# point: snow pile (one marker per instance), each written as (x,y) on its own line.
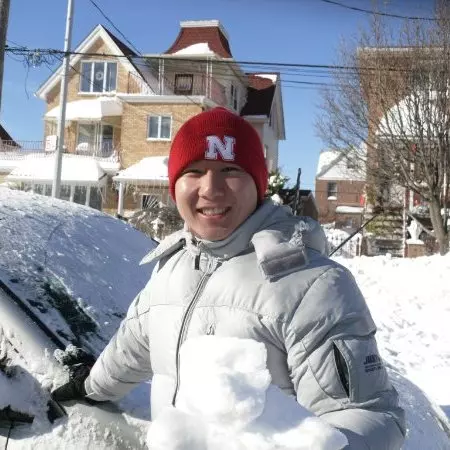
(226,401)
(409,301)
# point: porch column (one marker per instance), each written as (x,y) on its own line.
(120,203)
(72,192)
(88,195)
(161,76)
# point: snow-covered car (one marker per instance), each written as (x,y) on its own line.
(67,276)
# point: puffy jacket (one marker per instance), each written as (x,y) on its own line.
(271,281)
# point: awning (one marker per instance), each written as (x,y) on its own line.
(89,109)
(150,169)
(78,170)
(349,209)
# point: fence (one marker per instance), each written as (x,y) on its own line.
(350,249)
(17,150)
(204,85)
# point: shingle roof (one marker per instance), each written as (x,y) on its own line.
(213,36)
(123,47)
(4,136)
(260,95)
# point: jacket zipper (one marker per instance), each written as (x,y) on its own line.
(186,320)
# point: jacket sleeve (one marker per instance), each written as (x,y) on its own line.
(125,361)
(336,367)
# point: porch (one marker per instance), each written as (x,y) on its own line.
(82,179)
(172,77)
(12,153)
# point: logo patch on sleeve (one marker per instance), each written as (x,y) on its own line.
(372,362)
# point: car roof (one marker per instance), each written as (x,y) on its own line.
(77,269)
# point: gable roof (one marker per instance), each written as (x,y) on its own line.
(113,42)
(4,136)
(260,95)
(333,165)
(208,32)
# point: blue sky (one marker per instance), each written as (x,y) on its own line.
(287,31)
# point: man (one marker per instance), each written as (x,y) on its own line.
(244,267)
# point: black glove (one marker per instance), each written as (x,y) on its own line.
(74,388)
(79,364)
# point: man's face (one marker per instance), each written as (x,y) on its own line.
(214,198)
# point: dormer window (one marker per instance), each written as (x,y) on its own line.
(98,76)
(234,100)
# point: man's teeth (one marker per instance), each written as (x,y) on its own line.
(213,211)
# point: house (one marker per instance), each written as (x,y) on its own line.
(8,146)
(339,189)
(123,110)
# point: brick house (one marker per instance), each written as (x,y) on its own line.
(339,190)
(123,110)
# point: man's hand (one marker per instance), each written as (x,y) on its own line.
(74,388)
(79,364)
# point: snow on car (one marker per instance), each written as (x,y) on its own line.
(67,276)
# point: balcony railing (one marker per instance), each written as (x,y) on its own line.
(203,85)
(17,150)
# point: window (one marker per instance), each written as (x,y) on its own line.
(149,201)
(95,139)
(234,97)
(184,84)
(332,190)
(98,76)
(159,127)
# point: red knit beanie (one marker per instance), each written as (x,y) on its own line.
(218,134)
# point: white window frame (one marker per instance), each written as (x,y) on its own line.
(159,138)
(97,141)
(329,191)
(91,82)
(234,97)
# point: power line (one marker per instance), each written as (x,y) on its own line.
(262,65)
(114,26)
(376,13)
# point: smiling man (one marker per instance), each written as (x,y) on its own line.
(245,267)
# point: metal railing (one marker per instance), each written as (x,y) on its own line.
(17,150)
(198,85)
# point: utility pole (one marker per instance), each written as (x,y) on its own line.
(56,185)
(4,14)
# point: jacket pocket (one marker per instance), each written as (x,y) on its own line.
(360,368)
(341,369)
(329,372)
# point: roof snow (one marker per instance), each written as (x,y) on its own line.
(202,48)
(147,169)
(334,165)
(75,169)
(270,76)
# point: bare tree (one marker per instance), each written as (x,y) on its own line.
(389,107)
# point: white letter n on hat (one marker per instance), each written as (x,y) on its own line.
(225,148)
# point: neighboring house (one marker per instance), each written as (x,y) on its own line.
(124,109)
(339,190)
(7,145)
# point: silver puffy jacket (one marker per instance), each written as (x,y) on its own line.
(271,281)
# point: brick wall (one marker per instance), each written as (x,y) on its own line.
(73,87)
(348,194)
(134,142)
